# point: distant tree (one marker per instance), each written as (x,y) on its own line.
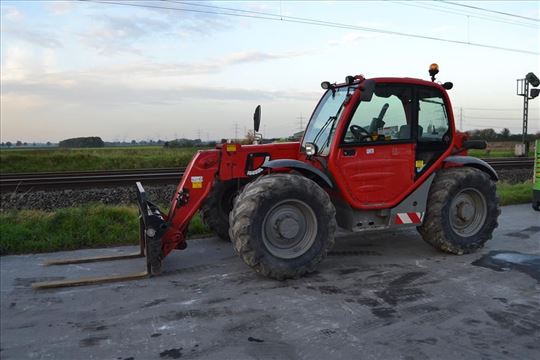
(249,138)
(48,143)
(184,143)
(133,142)
(9,144)
(488,134)
(179,143)
(483,134)
(18,143)
(505,134)
(82,142)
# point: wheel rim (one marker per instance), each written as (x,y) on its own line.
(468,212)
(289,229)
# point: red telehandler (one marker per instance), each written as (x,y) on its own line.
(377,153)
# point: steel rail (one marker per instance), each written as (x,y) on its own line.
(110,178)
(30,175)
(87,179)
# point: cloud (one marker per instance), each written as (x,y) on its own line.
(23,62)
(256,56)
(53,88)
(38,38)
(115,34)
(190,22)
(12,13)
(171,69)
(59,7)
(354,37)
(122,34)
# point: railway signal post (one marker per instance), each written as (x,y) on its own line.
(522,89)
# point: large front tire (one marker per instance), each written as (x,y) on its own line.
(282,225)
(462,210)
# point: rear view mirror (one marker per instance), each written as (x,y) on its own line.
(367,88)
(475,144)
(257,118)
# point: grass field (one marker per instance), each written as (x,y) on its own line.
(95,226)
(514,193)
(491,153)
(137,157)
(28,160)
(91,226)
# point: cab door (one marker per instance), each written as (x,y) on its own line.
(374,165)
(434,133)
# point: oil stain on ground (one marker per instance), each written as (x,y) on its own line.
(525,233)
(511,260)
(171,354)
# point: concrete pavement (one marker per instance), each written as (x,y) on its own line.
(377,296)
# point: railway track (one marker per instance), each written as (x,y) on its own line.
(89,179)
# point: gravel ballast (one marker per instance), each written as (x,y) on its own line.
(122,195)
(51,200)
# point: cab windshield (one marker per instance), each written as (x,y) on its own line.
(322,125)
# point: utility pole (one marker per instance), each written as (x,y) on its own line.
(301,118)
(460,119)
(236,131)
(522,89)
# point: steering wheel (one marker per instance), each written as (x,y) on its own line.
(359,132)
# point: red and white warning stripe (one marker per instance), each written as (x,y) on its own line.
(409,218)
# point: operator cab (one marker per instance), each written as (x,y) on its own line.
(370,132)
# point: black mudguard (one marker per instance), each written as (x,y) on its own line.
(473,162)
(302,167)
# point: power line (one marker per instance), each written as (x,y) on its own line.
(308,21)
(444,9)
(493,109)
(489,10)
(492,118)
(484,126)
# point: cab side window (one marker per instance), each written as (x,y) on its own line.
(432,116)
(386,117)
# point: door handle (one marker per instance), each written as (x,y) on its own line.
(349,152)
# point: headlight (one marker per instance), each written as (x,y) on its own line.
(311,149)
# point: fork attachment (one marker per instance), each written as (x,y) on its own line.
(152,225)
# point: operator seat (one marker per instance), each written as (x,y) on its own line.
(404,132)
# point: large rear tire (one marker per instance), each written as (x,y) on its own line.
(216,208)
(462,210)
(282,225)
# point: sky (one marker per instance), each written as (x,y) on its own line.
(132,70)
